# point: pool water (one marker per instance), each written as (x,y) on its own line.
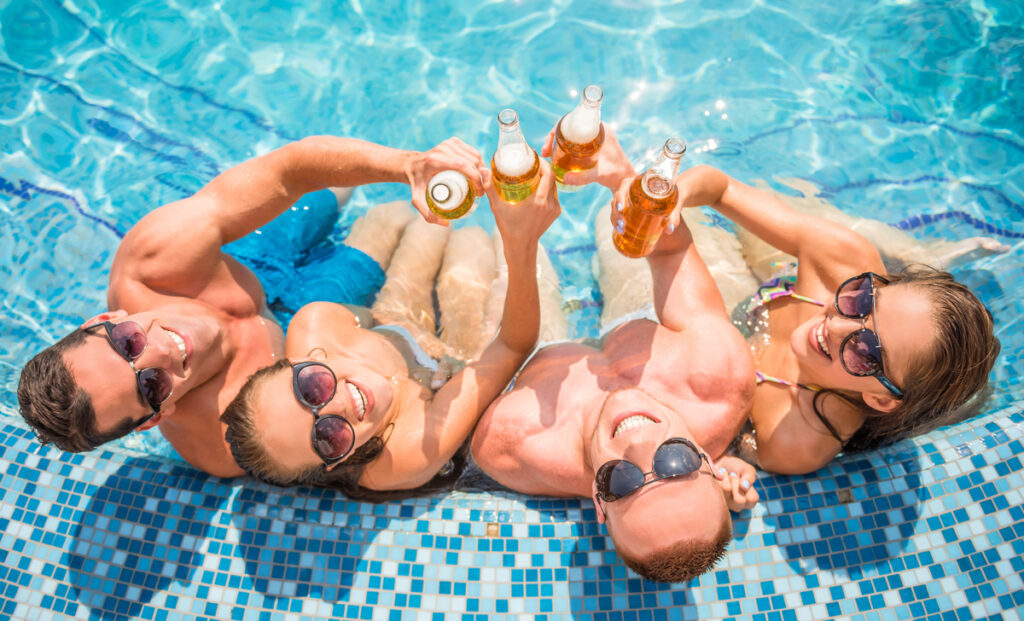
(910,113)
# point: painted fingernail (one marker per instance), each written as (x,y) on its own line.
(733,474)
(722,470)
(618,205)
(745,485)
(672,228)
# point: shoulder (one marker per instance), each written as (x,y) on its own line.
(795,440)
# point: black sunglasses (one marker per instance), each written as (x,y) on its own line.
(129,340)
(675,457)
(861,351)
(332,436)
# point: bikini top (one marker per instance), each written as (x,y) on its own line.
(774,289)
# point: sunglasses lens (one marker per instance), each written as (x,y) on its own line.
(332,437)
(315,385)
(155,385)
(619,478)
(129,339)
(674,459)
(861,354)
(854,298)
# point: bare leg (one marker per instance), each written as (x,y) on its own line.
(626,284)
(406,299)
(377,232)
(462,289)
(553,324)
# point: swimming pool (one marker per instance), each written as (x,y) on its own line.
(910,113)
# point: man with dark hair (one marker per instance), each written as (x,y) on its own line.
(638,421)
(188,323)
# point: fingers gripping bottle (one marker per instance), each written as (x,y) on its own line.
(578,138)
(449,195)
(651,198)
(515,165)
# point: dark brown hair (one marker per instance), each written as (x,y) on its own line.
(683,560)
(939,385)
(56,407)
(250,453)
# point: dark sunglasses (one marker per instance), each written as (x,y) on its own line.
(332,436)
(129,340)
(675,457)
(861,351)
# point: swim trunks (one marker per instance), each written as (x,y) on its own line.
(297,263)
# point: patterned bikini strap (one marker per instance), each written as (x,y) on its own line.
(782,287)
(764,377)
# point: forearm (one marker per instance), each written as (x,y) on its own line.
(520,324)
(251,194)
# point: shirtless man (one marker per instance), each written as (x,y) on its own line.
(187,323)
(667,397)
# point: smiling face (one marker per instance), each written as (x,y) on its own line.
(363,397)
(182,345)
(903,322)
(663,514)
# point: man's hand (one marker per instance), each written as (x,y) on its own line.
(452,154)
(612,164)
(737,483)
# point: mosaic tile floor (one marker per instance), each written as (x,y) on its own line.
(927,529)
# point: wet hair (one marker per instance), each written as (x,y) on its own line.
(683,560)
(58,410)
(939,385)
(249,451)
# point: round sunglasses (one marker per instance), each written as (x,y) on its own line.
(675,457)
(332,436)
(129,340)
(861,351)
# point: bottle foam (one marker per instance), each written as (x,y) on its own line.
(514,160)
(581,125)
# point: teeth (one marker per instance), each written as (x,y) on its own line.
(822,343)
(180,342)
(358,398)
(632,423)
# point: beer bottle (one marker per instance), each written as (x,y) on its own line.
(651,198)
(449,195)
(515,165)
(578,138)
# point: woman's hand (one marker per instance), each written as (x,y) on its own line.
(524,222)
(612,164)
(452,154)
(737,483)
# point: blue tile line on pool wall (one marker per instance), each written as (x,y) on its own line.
(933,526)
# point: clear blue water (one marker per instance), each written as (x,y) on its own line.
(908,113)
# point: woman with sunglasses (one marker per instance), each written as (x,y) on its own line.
(851,357)
(344,411)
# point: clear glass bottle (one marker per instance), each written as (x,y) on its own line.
(515,165)
(578,138)
(652,196)
(450,195)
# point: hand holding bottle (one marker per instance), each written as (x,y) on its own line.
(450,155)
(643,207)
(612,163)
(521,224)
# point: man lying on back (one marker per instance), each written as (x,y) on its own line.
(188,323)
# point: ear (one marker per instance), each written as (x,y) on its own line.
(153,422)
(880,401)
(107,316)
(318,354)
(597,503)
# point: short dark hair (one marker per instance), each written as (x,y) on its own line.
(683,560)
(249,451)
(58,410)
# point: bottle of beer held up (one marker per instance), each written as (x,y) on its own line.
(578,138)
(449,195)
(651,198)
(515,165)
